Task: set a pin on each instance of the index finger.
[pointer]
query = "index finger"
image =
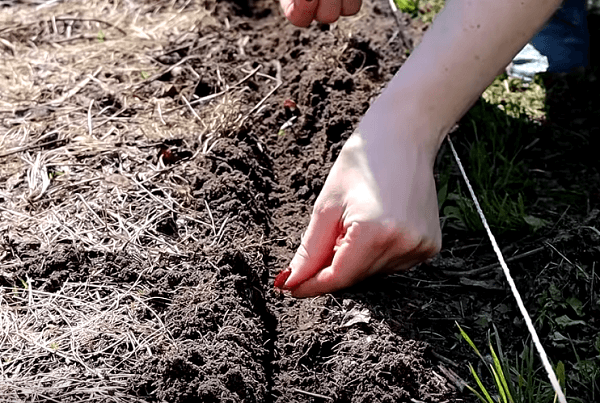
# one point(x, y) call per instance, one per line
point(353, 261)
point(351, 7)
point(299, 12)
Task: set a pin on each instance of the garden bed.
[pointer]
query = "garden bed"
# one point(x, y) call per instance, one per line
point(154, 179)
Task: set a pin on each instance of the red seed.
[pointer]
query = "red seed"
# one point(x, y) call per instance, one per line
point(168, 156)
point(282, 277)
point(288, 103)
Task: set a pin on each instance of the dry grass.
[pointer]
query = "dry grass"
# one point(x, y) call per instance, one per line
point(83, 110)
point(54, 92)
point(78, 343)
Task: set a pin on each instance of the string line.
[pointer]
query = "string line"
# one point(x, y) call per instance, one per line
point(513, 287)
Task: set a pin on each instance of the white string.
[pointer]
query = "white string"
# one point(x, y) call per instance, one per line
point(534, 335)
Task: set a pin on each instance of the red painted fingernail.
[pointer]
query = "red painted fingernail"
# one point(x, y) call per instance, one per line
point(288, 103)
point(282, 277)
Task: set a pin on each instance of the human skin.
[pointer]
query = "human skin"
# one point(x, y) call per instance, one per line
point(377, 212)
point(302, 12)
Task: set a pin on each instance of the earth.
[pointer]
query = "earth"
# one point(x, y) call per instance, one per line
point(160, 160)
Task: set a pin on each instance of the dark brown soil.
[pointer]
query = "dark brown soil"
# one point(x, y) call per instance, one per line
point(238, 339)
point(234, 338)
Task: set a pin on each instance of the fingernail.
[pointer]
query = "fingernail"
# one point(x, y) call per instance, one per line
point(282, 278)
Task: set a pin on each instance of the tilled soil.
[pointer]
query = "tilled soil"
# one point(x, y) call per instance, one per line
point(231, 336)
point(241, 197)
point(236, 338)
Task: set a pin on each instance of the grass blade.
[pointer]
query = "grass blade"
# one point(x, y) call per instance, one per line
point(468, 340)
point(499, 385)
point(474, 391)
point(485, 392)
point(502, 378)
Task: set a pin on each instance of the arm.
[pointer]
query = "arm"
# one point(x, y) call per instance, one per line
point(467, 46)
point(377, 212)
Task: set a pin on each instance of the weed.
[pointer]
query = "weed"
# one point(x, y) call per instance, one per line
point(523, 382)
point(494, 144)
point(144, 74)
point(407, 6)
point(55, 174)
point(569, 322)
point(425, 10)
point(517, 99)
point(101, 36)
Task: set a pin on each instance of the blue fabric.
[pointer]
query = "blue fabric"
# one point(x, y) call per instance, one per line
point(565, 39)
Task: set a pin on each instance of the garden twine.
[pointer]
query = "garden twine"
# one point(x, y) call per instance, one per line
point(528, 322)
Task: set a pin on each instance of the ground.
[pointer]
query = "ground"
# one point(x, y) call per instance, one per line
point(155, 178)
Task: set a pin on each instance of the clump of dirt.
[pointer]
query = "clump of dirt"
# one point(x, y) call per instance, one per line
point(353, 356)
point(217, 318)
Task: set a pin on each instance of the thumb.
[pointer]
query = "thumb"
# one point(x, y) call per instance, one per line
point(316, 248)
point(299, 12)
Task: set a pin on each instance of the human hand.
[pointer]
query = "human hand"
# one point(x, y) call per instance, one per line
point(377, 213)
point(302, 12)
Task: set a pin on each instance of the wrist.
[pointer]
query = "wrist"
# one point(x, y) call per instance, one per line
point(397, 119)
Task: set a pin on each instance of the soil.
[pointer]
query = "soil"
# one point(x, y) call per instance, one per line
point(235, 213)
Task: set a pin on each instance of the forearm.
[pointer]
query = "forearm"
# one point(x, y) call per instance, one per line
point(469, 43)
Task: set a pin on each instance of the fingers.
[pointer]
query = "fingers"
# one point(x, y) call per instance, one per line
point(300, 12)
point(351, 7)
point(363, 252)
point(353, 259)
point(316, 249)
point(328, 11)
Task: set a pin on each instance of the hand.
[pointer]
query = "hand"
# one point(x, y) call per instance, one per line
point(302, 12)
point(377, 213)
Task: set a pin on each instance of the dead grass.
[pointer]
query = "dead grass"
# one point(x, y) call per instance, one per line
point(82, 113)
point(83, 109)
point(80, 342)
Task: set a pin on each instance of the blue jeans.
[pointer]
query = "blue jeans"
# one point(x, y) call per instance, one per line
point(565, 40)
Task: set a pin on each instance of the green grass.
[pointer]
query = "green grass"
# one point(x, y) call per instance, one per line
point(425, 10)
point(497, 142)
point(493, 141)
point(492, 137)
point(492, 145)
point(562, 301)
point(523, 381)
